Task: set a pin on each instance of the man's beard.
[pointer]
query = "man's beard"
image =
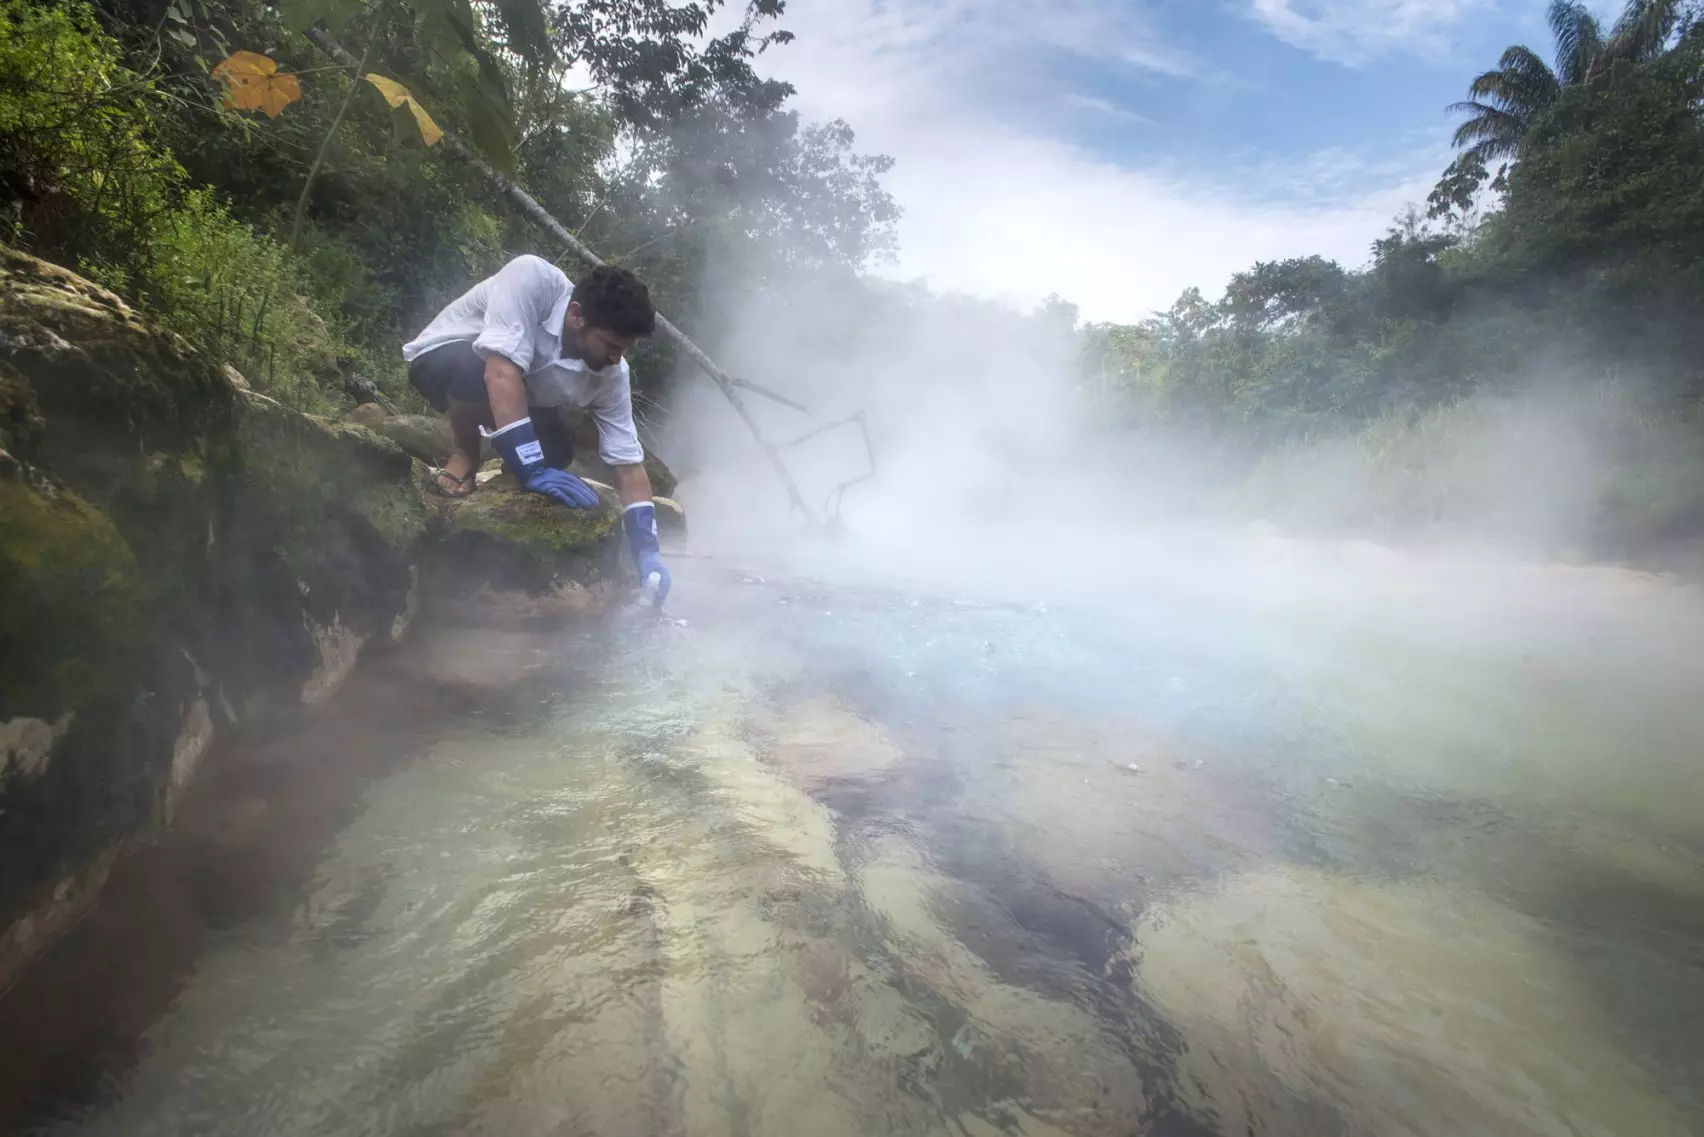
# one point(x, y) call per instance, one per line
point(576, 347)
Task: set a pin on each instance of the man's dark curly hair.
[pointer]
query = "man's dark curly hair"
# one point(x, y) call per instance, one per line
point(614, 299)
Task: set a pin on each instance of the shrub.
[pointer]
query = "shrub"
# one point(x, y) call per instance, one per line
point(87, 187)
point(83, 183)
point(217, 282)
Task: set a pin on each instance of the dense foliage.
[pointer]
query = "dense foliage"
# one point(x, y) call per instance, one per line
point(1562, 251)
point(305, 246)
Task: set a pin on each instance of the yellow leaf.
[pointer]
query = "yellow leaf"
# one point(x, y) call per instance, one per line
point(397, 96)
point(253, 82)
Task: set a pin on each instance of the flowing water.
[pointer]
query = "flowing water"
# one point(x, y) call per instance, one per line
point(839, 860)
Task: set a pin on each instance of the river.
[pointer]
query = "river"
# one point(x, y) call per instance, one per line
point(861, 858)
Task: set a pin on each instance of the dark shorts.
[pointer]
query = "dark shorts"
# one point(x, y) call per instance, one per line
point(456, 371)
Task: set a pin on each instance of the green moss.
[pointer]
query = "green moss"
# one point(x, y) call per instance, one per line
point(533, 521)
point(395, 512)
point(72, 604)
point(89, 358)
point(20, 417)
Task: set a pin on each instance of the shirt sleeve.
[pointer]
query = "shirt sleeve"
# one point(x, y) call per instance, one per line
point(517, 300)
point(612, 410)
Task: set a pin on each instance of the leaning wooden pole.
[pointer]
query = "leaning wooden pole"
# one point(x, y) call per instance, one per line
point(540, 216)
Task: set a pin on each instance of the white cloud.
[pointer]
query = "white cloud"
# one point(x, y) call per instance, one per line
point(1353, 32)
point(1105, 107)
point(994, 208)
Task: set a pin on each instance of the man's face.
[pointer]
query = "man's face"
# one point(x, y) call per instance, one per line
point(597, 348)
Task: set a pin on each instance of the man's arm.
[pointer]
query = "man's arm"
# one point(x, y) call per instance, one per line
point(507, 389)
point(618, 441)
point(639, 519)
point(516, 299)
point(632, 483)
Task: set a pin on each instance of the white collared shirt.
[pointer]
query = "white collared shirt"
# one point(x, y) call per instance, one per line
point(518, 314)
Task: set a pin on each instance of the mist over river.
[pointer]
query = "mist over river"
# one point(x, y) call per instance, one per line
point(1400, 852)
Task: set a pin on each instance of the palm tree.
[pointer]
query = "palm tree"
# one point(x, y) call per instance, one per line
point(1504, 103)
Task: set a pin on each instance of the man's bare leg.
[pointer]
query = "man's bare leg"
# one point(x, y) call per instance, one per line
point(465, 421)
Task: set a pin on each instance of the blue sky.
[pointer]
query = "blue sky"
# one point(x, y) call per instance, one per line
point(1118, 152)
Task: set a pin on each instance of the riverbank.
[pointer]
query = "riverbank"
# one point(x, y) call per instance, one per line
point(184, 560)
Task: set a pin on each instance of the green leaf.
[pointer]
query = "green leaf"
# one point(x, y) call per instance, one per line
point(460, 15)
point(300, 15)
point(528, 30)
point(490, 123)
point(183, 37)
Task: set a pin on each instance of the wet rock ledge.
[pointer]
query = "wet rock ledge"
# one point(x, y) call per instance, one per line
point(183, 559)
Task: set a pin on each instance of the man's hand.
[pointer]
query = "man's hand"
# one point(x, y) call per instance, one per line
point(561, 485)
point(640, 520)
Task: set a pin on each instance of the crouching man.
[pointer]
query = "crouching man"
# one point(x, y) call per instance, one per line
point(505, 355)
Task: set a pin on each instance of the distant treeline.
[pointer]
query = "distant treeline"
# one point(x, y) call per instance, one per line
point(1563, 249)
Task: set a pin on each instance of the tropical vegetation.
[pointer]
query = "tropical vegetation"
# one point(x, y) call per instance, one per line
point(207, 161)
point(1567, 288)
point(292, 212)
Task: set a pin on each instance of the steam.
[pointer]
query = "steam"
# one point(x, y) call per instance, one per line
point(976, 423)
point(1001, 479)
point(999, 472)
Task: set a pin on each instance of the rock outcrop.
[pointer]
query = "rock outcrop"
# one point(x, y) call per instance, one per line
point(184, 559)
point(504, 548)
point(179, 557)
point(427, 437)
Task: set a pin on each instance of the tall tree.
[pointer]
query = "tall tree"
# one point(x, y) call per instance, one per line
point(1503, 103)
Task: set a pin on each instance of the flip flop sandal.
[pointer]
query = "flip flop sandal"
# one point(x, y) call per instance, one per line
point(433, 486)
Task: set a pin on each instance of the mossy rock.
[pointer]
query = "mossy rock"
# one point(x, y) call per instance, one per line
point(84, 738)
point(104, 384)
point(319, 526)
point(501, 540)
point(20, 417)
point(168, 541)
point(73, 599)
point(426, 437)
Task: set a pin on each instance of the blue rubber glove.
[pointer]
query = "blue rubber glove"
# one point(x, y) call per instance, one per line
point(562, 486)
point(524, 457)
point(640, 521)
